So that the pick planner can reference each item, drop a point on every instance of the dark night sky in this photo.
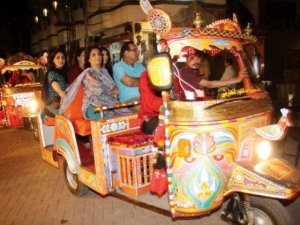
(14, 21)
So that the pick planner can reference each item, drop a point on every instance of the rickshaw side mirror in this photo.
(160, 72)
(256, 63)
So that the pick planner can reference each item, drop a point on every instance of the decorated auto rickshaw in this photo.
(215, 148)
(20, 95)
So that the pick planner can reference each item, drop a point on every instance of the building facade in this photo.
(85, 22)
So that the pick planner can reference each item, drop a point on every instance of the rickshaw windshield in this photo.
(222, 66)
(254, 77)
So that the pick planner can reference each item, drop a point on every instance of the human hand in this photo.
(55, 104)
(115, 91)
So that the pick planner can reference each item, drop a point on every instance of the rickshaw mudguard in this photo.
(65, 142)
(66, 145)
(273, 178)
(64, 149)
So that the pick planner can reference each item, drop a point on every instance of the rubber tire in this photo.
(77, 188)
(272, 208)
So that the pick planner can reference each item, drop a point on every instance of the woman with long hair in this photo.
(55, 82)
(106, 62)
(76, 69)
(98, 88)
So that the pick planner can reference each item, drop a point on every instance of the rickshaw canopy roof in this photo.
(220, 35)
(21, 65)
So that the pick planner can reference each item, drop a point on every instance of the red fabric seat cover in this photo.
(74, 113)
(135, 139)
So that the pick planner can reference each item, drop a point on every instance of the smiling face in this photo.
(95, 58)
(193, 62)
(59, 60)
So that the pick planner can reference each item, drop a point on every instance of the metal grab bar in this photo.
(116, 106)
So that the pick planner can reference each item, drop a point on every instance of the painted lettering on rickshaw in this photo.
(114, 126)
(233, 92)
(238, 92)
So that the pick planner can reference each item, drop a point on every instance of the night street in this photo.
(175, 110)
(34, 193)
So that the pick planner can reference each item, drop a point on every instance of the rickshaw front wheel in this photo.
(267, 211)
(243, 209)
(73, 184)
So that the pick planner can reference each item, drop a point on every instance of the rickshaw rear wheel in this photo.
(73, 184)
(34, 128)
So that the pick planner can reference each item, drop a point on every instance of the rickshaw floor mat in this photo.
(84, 139)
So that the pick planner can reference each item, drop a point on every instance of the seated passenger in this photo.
(21, 77)
(191, 82)
(150, 104)
(204, 68)
(75, 70)
(127, 73)
(229, 72)
(15, 78)
(27, 77)
(98, 88)
(55, 83)
(107, 64)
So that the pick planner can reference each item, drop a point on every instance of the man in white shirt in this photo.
(229, 72)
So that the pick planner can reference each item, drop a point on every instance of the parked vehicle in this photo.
(216, 148)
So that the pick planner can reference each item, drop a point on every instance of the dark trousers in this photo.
(148, 127)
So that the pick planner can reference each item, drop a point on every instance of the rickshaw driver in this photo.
(192, 82)
(150, 104)
(151, 101)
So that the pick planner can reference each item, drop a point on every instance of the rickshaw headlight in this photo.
(33, 106)
(263, 150)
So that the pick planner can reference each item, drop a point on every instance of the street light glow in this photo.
(55, 5)
(36, 19)
(45, 12)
